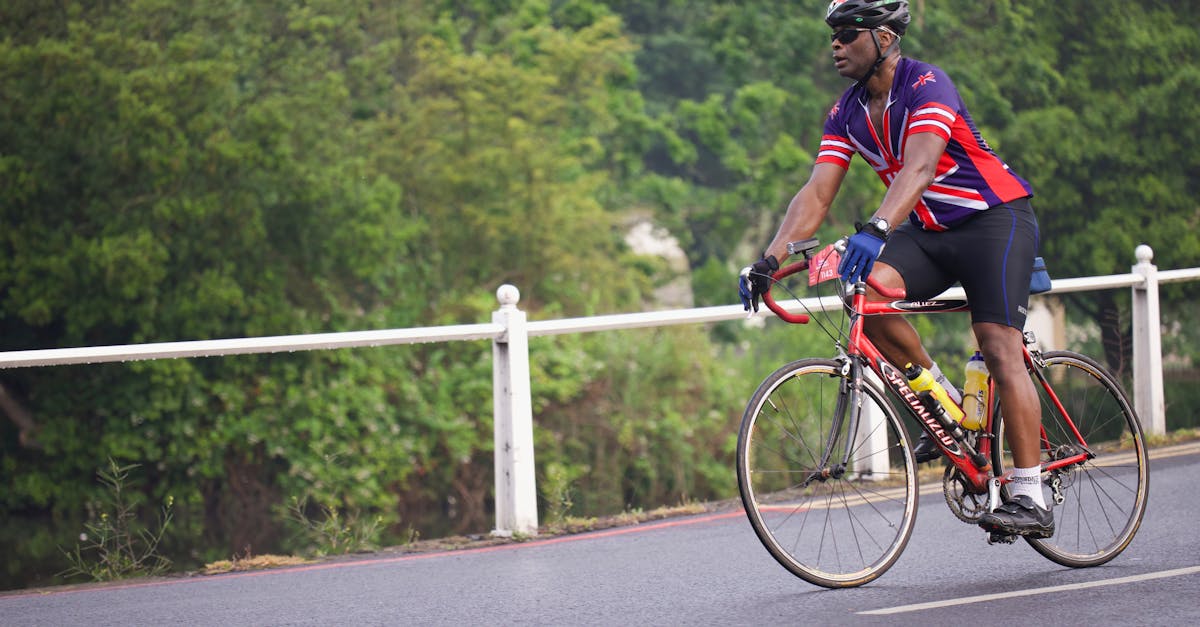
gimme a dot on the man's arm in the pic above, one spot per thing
(921, 155)
(808, 208)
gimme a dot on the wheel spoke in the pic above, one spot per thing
(1105, 497)
(802, 479)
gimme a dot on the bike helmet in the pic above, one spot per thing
(869, 14)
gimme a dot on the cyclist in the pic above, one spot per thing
(953, 211)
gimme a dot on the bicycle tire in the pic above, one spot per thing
(869, 508)
(1103, 498)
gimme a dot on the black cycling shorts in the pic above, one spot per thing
(991, 254)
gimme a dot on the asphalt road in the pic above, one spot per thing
(707, 569)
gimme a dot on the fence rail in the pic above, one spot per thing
(515, 497)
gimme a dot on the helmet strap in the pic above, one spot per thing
(879, 58)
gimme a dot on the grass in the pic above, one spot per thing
(256, 562)
(1175, 437)
(330, 531)
(115, 545)
(575, 524)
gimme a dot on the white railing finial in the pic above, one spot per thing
(1143, 253)
(508, 295)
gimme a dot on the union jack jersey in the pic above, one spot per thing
(969, 177)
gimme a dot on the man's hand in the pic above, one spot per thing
(862, 249)
(755, 280)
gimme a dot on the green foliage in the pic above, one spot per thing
(556, 488)
(330, 532)
(115, 545)
(240, 170)
(632, 419)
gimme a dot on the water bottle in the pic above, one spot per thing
(921, 380)
(975, 401)
(944, 409)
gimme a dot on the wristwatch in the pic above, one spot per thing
(878, 227)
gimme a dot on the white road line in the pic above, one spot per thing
(916, 607)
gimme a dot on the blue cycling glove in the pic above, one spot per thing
(755, 280)
(862, 249)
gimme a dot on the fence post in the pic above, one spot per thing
(1148, 396)
(872, 437)
(516, 495)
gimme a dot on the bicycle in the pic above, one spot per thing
(829, 482)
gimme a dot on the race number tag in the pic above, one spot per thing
(823, 266)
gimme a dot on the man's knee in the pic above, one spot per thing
(1001, 348)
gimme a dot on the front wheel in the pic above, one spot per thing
(832, 502)
(1099, 501)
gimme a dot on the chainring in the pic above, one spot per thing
(967, 506)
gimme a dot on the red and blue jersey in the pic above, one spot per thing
(969, 176)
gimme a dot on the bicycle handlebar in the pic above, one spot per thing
(786, 271)
(769, 300)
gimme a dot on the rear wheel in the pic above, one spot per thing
(1099, 501)
(833, 505)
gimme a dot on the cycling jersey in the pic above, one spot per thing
(969, 176)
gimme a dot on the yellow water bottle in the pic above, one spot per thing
(975, 401)
(921, 380)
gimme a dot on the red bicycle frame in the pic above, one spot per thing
(972, 464)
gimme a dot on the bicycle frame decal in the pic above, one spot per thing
(928, 306)
(896, 379)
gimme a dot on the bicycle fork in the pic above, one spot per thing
(849, 407)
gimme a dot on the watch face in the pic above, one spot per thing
(882, 224)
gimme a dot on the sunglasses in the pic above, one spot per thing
(846, 36)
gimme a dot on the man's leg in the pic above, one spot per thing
(894, 336)
(1001, 348)
(1025, 512)
(900, 344)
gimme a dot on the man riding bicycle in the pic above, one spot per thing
(953, 212)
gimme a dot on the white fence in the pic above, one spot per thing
(516, 496)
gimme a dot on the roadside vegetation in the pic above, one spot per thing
(238, 168)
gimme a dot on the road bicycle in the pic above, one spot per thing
(826, 470)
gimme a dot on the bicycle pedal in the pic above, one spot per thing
(998, 537)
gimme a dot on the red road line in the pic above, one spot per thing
(608, 533)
